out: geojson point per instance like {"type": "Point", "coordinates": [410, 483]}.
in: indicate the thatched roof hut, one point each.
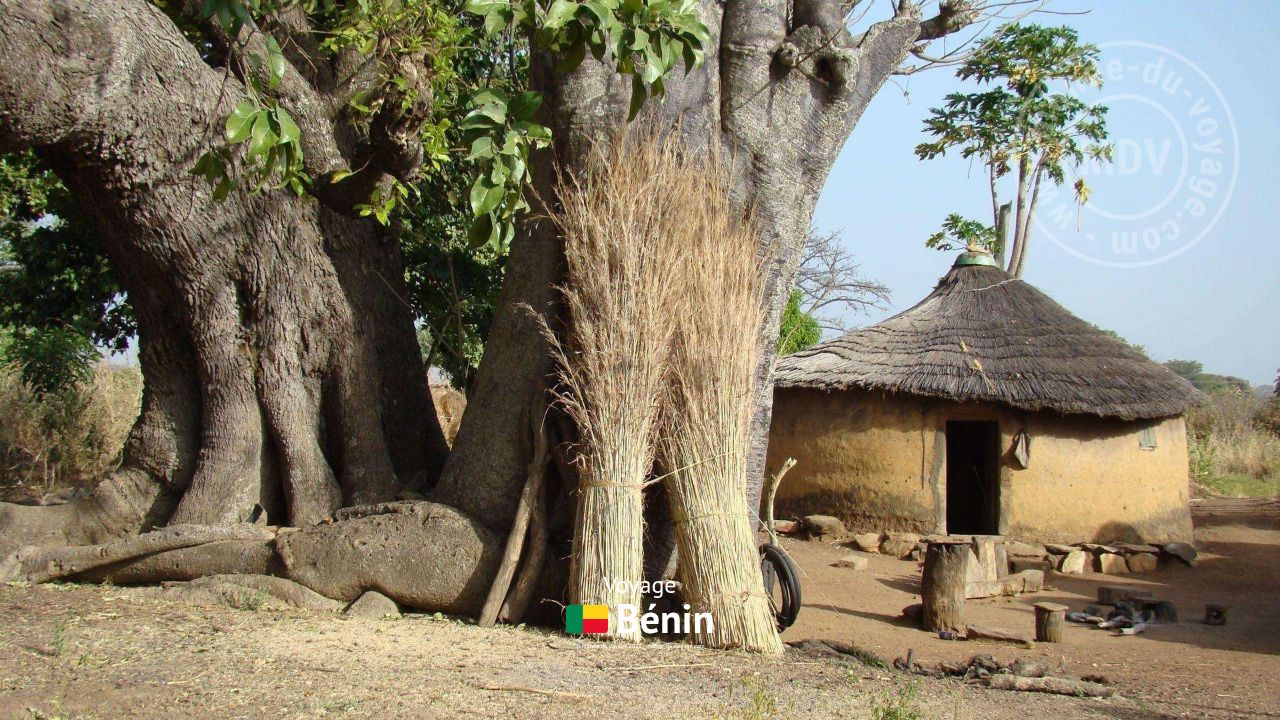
{"type": "Point", "coordinates": [884, 418]}
{"type": "Point", "coordinates": [984, 336]}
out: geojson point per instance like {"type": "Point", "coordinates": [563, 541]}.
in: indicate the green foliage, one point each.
{"type": "Point", "coordinates": [1194, 373]}
{"type": "Point", "coordinates": [959, 232]}
{"type": "Point", "coordinates": [58, 295]}
{"type": "Point", "coordinates": [1019, 123]}
{"type": "Point", "coordinates": [797, 329]}
{"type": "Point", "coordinates": [1233, 441]}
{"type": "Point", "coordinates": [898, 705]}
{"type": "Point", "coordinates": [645, 39]}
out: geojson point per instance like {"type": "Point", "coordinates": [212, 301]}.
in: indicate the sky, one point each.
{"type": "Point", "coordinates": [1176, 250]}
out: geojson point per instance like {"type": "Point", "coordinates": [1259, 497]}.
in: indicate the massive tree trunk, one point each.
{"type": "Point", "coordinates": [281, 369]}
{"type": "Point", "coordinates": [781, 89]}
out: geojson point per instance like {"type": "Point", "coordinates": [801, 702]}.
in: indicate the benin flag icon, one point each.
{"type": "Point", "coordinates": [586, 619]}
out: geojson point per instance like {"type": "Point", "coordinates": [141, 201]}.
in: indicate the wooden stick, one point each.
{"type": "Point", "coordinates": [535, 691]}
{"type": "Point", "coordinates": [530, 571]}
{"type": "Point", "coordinates": [519, 526]}
{"type": "Point", "coordinates": [770, 492]}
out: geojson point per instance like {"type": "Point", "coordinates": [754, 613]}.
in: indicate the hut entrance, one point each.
{"type": "Point", "coordinates": [973, 478]}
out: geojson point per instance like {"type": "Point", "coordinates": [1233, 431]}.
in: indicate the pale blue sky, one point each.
{"type": "Point", "coordinates": [1216, 301]}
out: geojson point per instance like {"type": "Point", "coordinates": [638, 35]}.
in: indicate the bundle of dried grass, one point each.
{"type": "Point", "coordinates": [614, 217]}
{"type": "Point", "coordinates": [718, 312]}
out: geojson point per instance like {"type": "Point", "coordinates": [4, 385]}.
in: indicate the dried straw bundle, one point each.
{"type": "Point", "coordinates": [718, 314]}
{"type": "Point", "coordinates": [614, 218]}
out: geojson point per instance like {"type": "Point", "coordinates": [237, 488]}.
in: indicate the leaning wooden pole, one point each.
{"type": "Point", "coordinates": [942, 590]}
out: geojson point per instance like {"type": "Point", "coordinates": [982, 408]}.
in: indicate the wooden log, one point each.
{"type": "Point", "coordinates": [943, 587]}
{"type": "Point", "coordinates": [1050, 618]}
{"type": "Point", "coordinates": [1051, 685]}
{"type": "Point", "coordinates": [530, 571]}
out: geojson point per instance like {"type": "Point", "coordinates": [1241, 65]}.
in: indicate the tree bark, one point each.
{"type": "Point", "coordinates": [778, 94]}
{"type": "Point", "coordinates": [280, 365]}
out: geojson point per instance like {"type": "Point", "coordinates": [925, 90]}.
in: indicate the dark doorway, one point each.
{"type": "Point", "coordinates": [973, 478]}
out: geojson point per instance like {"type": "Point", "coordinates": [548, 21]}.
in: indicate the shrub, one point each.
{"type": "Point", "coordinates": [1233, 444]}
{"type": "Point", "coordinates": [68, 438]}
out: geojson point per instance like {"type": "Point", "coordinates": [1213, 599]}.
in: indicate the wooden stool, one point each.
{"type": "Point", "coordinates": [1050, 618]}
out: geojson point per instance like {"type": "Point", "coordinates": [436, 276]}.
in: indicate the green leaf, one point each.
{"type": "Point", "coordinates": [573, 57]}
{"type": "Point", "coordinates": [637, 97]}
{"type": "Point", "coordinates": [484, 196]}
{"type": "Point", "coordinates": [560, 12]}
{"type": "Point", "coordinates": [525, 105]}
{"type": "Point", "coordinates": [480, 230]}
{"type": "Point", "coordinates": [240, 121]}
{"type": "Point", "coordinates": [262, 138]}
{"type": "Point", "coordinates": [289, 132]}
{"type": "Point", "coordinates": [340, 175]}
{"type": "Point", "coordinates": [482, 148]}
{"type": "Point", "coordinates": [275, 62]}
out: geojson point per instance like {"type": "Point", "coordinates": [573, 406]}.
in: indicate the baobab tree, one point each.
{"type": "Point", "coordinates": [282, 374]}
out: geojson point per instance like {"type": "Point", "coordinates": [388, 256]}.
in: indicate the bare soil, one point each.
{"type": "Point", "coordinates": [76, 651]}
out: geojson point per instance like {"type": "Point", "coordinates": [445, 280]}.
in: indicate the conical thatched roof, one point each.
{"type": "Point", "coordinates": [983, 335]}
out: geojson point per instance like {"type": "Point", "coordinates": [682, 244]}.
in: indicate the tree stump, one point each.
{"type": "Point", "coordinates": [1050, 618]}
{"type": "Point", "coordinates": [942, 589]}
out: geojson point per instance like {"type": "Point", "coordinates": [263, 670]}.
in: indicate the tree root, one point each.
{"type": "Point", "coordinates": [39, 564]}
{"type": "Point", "coordinates": [420, 554]}
{"type": "Point", "coordinates": [248, 592]}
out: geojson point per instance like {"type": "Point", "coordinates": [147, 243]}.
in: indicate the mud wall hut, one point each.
{"type": "Point", "coordinates": [985, 409]}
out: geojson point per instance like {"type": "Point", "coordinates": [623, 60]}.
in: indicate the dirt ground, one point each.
{"type": "Point", "coordinates": [74, 651]}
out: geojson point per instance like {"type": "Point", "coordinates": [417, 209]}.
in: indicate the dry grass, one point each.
{"type": "Point", "coordinates": [614, 218]}
{"type": "Point", "coordinates": [67, 440]}
{"type": "Point", "coordinates": [450, 404]}
{"type": "Point", "coordinates": [719, 311]}
{"type": "Point", "coordinates": [1234, 447]}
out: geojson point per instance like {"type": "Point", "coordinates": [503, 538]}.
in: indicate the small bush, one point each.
{"type": "Point", "coordinates": [65, 439]}
{"type": "Point", "coordinates": [898, 705]}
{"type": "Point", "coordinates": [1233, 445]}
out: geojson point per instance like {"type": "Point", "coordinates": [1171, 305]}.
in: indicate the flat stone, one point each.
{"type": "Point", "coordinates": [909, 537]}
{"type": "Point", "coordinates": [1138, 548]}
{"type": "Point", "coordinates": [1057, 549]}
{"type": "Point", "coordinates": [1111, 564]}
{"type": "Point", "coordinates": [1095, 548]}
{"type": "Point", "coordinates": [853, 562]}
{"type": "Point", "coordinates": [823, 525]}
{"type": "Point", "coordinates": [1021, 549]}
{"type": "Point", "coordinates": [1186, 552]}
{"type": "Point", "coordinates": [372, 605]}
{"type": "Point", "coordinates": [1073, 563]}
{"type": "Point", "coordinates": [1142, 562]}
{"type": "Point", "coordinates": [983, 589]}
{"type": "Point", "coordinates": [867, 542]}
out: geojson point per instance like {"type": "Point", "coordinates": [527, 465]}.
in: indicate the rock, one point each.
{"type": "Point", "coordinates": [897, 548]}
{"type": "Point", "coordinates": [1095, 548]}
{"type": "Point", "coordinates": [1033, 580]}
{"type": "Point", "coordinates": [908, 537]}
{"type": "Point", "coordinates": [1186, 552]}
{"type": "Point", "coordinates": [867, 542]}
{"type": "Point", "coordinates": [1056, 549]}
{"type": "Point", "coordinates": [372, 605]}
{"type": "Point", "coordinates": [1025, 563]}
{"type": "Point", "coordinates": [853, 562]}
{"type": "Point", "coordinates": [821, 526]}
{"type": "Point", "coordinates": [990, 633]}
{"type": "Point", "coordinates": [786, 527]}
{"type": "Point", "coordinates": [1142, 562]}
{"type": "Point", "coordinates": [1110, 564]}
{"type": "Point", "coordinates": [913, 612]}
{"type": "Point", "coordinates": [1073, 563]}
{"type": "Point", "coordinates": [983, 589]}
{"type": "Point", "coordinates": [1021, 549]}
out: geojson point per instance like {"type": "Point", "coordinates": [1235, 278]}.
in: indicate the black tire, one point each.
{"type": "Point", "coordinates": [778, 568]}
